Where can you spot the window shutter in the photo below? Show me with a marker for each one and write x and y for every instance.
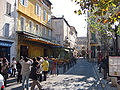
(36, 9)
(6, 30)
(26, 3)
(39, 11)
(9, 10)
(24, 24)
(41, 30)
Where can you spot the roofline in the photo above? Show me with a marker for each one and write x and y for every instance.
(63, 19)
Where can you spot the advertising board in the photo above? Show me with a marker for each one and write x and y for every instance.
(114, 66)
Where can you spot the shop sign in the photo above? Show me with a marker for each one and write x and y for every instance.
(6, 44)
(114, 66)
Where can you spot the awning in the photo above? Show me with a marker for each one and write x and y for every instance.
(36, 38)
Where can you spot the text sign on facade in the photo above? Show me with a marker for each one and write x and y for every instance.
(114, 65)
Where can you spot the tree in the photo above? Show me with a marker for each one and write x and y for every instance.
(109, 8)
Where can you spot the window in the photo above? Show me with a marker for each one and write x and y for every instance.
(49, 17)
(30, 27)
(37, 10)
(6, 29)
(57, 37)
(41, 30)
(49, 34)
(24, 2)
(44, 15)
(8, 9)
(44, 32)
(37, 29)
(22, 23)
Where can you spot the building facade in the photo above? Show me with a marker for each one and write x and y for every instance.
(8, 39)
(34, 28)
(25, 29)
(65, 35)
(81, 45)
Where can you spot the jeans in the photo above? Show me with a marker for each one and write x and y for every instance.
(25, 77)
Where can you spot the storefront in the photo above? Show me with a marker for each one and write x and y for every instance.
(31, 46)
(5, 49)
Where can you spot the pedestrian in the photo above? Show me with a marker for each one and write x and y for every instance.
(33, 76)
(13, 66)
(4, 70)
(26, 63)
(19, 67)
(45, 66)
(40, 69)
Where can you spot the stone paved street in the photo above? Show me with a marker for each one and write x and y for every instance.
(81, 76)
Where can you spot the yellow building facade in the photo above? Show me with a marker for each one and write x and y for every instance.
(34, 28)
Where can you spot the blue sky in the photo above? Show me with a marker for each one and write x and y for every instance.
(67, 8)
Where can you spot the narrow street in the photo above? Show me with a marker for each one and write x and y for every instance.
(81, 77)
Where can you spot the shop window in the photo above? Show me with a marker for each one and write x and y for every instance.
(6, 29)
(8, 9)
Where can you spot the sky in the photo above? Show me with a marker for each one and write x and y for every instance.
(67, 8)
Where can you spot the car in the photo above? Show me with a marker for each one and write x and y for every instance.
(2, 82)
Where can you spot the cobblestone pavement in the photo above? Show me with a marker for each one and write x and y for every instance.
(82, 76)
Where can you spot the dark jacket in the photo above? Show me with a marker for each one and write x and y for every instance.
(33, 74)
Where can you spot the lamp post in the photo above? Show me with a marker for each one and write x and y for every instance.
(115, 27)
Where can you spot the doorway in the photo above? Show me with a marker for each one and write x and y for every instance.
(24, 51)
(45, 52)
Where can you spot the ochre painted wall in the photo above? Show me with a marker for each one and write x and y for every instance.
(34, 50)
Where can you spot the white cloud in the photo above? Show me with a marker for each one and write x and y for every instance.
(67, 8)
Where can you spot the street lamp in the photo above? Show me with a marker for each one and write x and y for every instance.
(115, 27)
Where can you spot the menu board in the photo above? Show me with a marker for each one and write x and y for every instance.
(114, 65)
